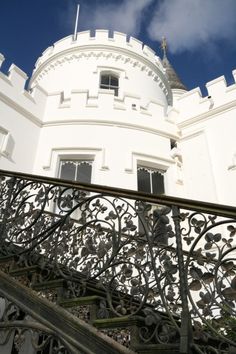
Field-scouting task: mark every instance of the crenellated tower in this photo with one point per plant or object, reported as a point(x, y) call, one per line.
point(104, 108)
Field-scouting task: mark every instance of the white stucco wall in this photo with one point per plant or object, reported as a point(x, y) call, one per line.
point(20, 124)
point(81, 120)
point(66, 115)
point(21, 147)
point(208, 132)
point(116, 151)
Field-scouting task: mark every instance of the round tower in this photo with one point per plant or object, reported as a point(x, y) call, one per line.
point(79, 64)
point(108, 99)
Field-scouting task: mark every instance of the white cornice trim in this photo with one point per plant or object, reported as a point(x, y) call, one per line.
point(134, 157)
point(110, 124)
point(192, 134)
point(17, 107)
point(60, 151)
point(208, 115)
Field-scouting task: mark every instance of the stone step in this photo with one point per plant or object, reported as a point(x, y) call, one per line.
point(50, 284)
point(157, 349)
point(80, 301)
point(23, 270)
point(5, 259)
point(85, 308)
point(118, 322)
point(124, 329)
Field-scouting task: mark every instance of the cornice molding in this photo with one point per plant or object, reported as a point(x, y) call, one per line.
point(17, 107)
point(110, 123)
point(61, 151)
point(207, 115)
point(135, 156)
point(98, 51)
point(192, 134)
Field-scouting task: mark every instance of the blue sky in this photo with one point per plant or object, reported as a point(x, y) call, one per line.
point(201, 33)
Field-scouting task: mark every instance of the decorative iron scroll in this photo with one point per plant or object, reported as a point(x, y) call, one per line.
point(174, 268)
point(20, 333)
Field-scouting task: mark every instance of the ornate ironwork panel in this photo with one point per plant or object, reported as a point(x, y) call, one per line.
point(172, 266)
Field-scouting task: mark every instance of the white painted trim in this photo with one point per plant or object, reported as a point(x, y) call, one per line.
point(192, 134)
point(146, 160)
point(13, 68)
point(208, 115)
point(56, 153)
point(215, 81)
point(93, 122)
point(20, 109)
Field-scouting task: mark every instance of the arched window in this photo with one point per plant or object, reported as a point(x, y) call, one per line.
point(109, 82)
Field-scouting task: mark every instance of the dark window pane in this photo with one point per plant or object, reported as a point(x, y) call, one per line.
point(144, 181)
point(84, 173)
point(157, 183)
point(105, 79)
point(116, 91)
point(110, 82)
point(114, 81)
point(68, 171)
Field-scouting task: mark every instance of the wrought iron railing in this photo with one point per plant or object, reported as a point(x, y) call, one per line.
point(169, 261)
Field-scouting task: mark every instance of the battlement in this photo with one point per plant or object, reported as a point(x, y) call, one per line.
point(100, 39)
point(12, 90)
point(82, 103)
point(192, 103)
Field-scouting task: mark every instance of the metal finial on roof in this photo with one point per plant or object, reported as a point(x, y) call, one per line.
point(164, 46)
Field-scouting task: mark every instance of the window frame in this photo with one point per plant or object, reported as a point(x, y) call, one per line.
point(77, 162)
point(151, 170)
point(111, 75)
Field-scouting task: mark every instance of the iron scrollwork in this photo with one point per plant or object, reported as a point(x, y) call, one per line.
point(19, 332)
point(131, 251)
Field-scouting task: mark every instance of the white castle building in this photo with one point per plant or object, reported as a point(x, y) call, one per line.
point(109, 111)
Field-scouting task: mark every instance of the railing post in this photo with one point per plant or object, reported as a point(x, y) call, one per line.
point(5, 211)
point(186, 326)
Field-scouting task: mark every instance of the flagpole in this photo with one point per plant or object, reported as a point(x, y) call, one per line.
point(76, 23)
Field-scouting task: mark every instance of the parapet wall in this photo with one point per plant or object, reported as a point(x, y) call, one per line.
point(101, 38)
point(76, 64)
point(38, 105)
point(12, 91)
point(220, 97)
point(189, 105)
point(79, 104)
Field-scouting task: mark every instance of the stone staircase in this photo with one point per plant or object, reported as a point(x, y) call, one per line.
point(69, 312)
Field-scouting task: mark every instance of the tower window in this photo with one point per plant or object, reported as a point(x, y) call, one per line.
point(76, 170)
point(110, 82)
point(150, 180)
